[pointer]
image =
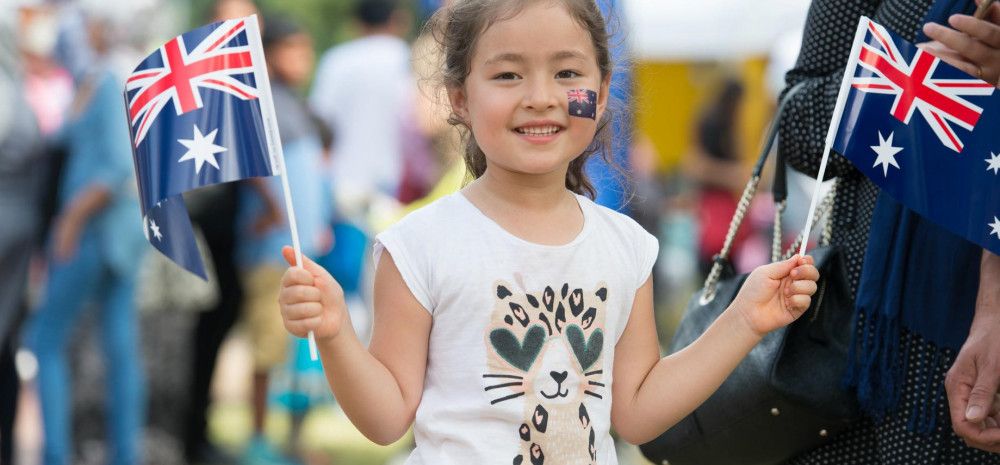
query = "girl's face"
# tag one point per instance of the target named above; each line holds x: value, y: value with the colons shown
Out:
x: 515, y: 96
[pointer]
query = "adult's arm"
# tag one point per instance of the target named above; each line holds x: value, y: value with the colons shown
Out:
x: 826, y: 44
x: 972, y: 382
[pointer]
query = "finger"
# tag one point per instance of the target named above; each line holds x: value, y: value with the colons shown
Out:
x: 300, y: 293
x: 984, y: 31
x: 948, y: 55
x: 301, y: 328
x: 799, y: 301
x: 805, y: 272
x: 982, y: 395
x: 312, y: 267
x: 985, y: 437
x: 803, y: 287
x: 991, y: 422
x: 968, y: 47
x: 778, y: 270
x: 297, y: 277
x: 993, y: 15
x: 958, y: 402
x: 301, y: 311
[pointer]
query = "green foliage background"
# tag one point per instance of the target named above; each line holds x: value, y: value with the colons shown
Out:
x: 328, y: 21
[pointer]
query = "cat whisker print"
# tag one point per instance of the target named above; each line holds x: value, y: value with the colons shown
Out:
x: 551, y: 361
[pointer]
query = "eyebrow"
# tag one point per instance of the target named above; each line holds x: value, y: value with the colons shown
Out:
x: 518, y: 58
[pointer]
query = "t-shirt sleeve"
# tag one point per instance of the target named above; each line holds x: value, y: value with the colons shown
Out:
x: 648, y: 248
x: 412, y: 266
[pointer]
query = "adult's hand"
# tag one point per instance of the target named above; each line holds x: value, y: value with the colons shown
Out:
x: 972, y: 382
x: 66, y: 236
x: 972, y: 46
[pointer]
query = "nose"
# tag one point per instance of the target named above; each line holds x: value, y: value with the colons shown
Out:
x: 559, y: 376
x: 541, y: 96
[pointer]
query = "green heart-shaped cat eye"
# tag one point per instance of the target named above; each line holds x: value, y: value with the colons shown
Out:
x: 587, y: 351
x: 519, y: 354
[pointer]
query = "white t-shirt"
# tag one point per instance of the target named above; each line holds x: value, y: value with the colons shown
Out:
x: 522, y: 343
x: 363, y: 90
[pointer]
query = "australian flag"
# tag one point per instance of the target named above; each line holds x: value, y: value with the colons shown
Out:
x: 582, y: 103
x: 925, y: 132
x: 200, y: 113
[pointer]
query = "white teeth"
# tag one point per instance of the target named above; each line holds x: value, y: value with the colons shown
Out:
x: 538, y: 130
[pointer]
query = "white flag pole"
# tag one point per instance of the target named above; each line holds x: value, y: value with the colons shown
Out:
x: 831, y: 133
x: 274, y: 143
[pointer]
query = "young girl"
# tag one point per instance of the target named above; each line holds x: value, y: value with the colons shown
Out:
x: 514, y: 319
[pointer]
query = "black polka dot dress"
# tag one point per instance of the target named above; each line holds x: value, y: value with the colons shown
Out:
x: 892, y: 440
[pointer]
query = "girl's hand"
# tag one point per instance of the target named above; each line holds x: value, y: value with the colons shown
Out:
x: 972, y: 46
x: 775, y: 295
x: 311, y: 300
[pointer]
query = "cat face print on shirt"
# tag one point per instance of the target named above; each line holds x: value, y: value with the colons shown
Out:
x: 546, y: 349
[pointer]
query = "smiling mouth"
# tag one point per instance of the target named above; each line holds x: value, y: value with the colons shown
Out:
x: 557, y: 394
x: 538, y: 130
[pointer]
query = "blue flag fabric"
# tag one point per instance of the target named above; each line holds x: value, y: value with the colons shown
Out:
x: 200, y: 113
x: 926, y: 133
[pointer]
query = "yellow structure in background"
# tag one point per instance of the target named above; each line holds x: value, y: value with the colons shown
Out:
x: 670, y: 96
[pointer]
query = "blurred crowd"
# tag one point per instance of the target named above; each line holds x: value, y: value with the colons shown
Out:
x: 116, y: 353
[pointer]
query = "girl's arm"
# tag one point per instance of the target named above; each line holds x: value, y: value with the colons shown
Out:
x: 651, y: 394
x: 379, y: 388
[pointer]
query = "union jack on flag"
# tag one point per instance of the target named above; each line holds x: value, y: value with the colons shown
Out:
x: 579, y: 96
x: 219, y: 126
x: 916, y: 88
x: 216, y: 62
x: 946, y: 164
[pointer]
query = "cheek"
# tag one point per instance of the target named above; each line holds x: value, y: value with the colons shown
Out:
x: 489, y: 117
x: 581, y: 132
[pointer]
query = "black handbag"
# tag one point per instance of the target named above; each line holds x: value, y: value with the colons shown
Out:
x: 786, y: 396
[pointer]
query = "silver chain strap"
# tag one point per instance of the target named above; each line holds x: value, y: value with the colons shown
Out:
x: 821, y: 211
x: 779, y: 210
x: 709, y: 288
x: 741, y: 210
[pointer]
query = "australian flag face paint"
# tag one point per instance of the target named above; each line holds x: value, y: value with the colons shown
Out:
x: 582, y: 103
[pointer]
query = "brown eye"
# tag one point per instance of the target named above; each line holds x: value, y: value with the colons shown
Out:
x: 567, y: 74
x: 505, y: 76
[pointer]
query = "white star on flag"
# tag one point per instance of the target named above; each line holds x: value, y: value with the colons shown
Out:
x: 996, y: 227
x: 156, y: 230
x: 886, y: 153
x: 201, y: 149
x: 993, y: 162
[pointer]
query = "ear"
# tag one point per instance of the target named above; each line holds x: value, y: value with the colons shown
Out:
x: 459, y: 102
x: 602, y: 97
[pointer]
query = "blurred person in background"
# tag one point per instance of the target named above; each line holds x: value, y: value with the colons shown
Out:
x: 48, y: 90
x: 263, y: 225
x: 363, y: 91
x: 20, y: 148
x: 717, y: 168
x: 214, y: 211
x: 94, y: 252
